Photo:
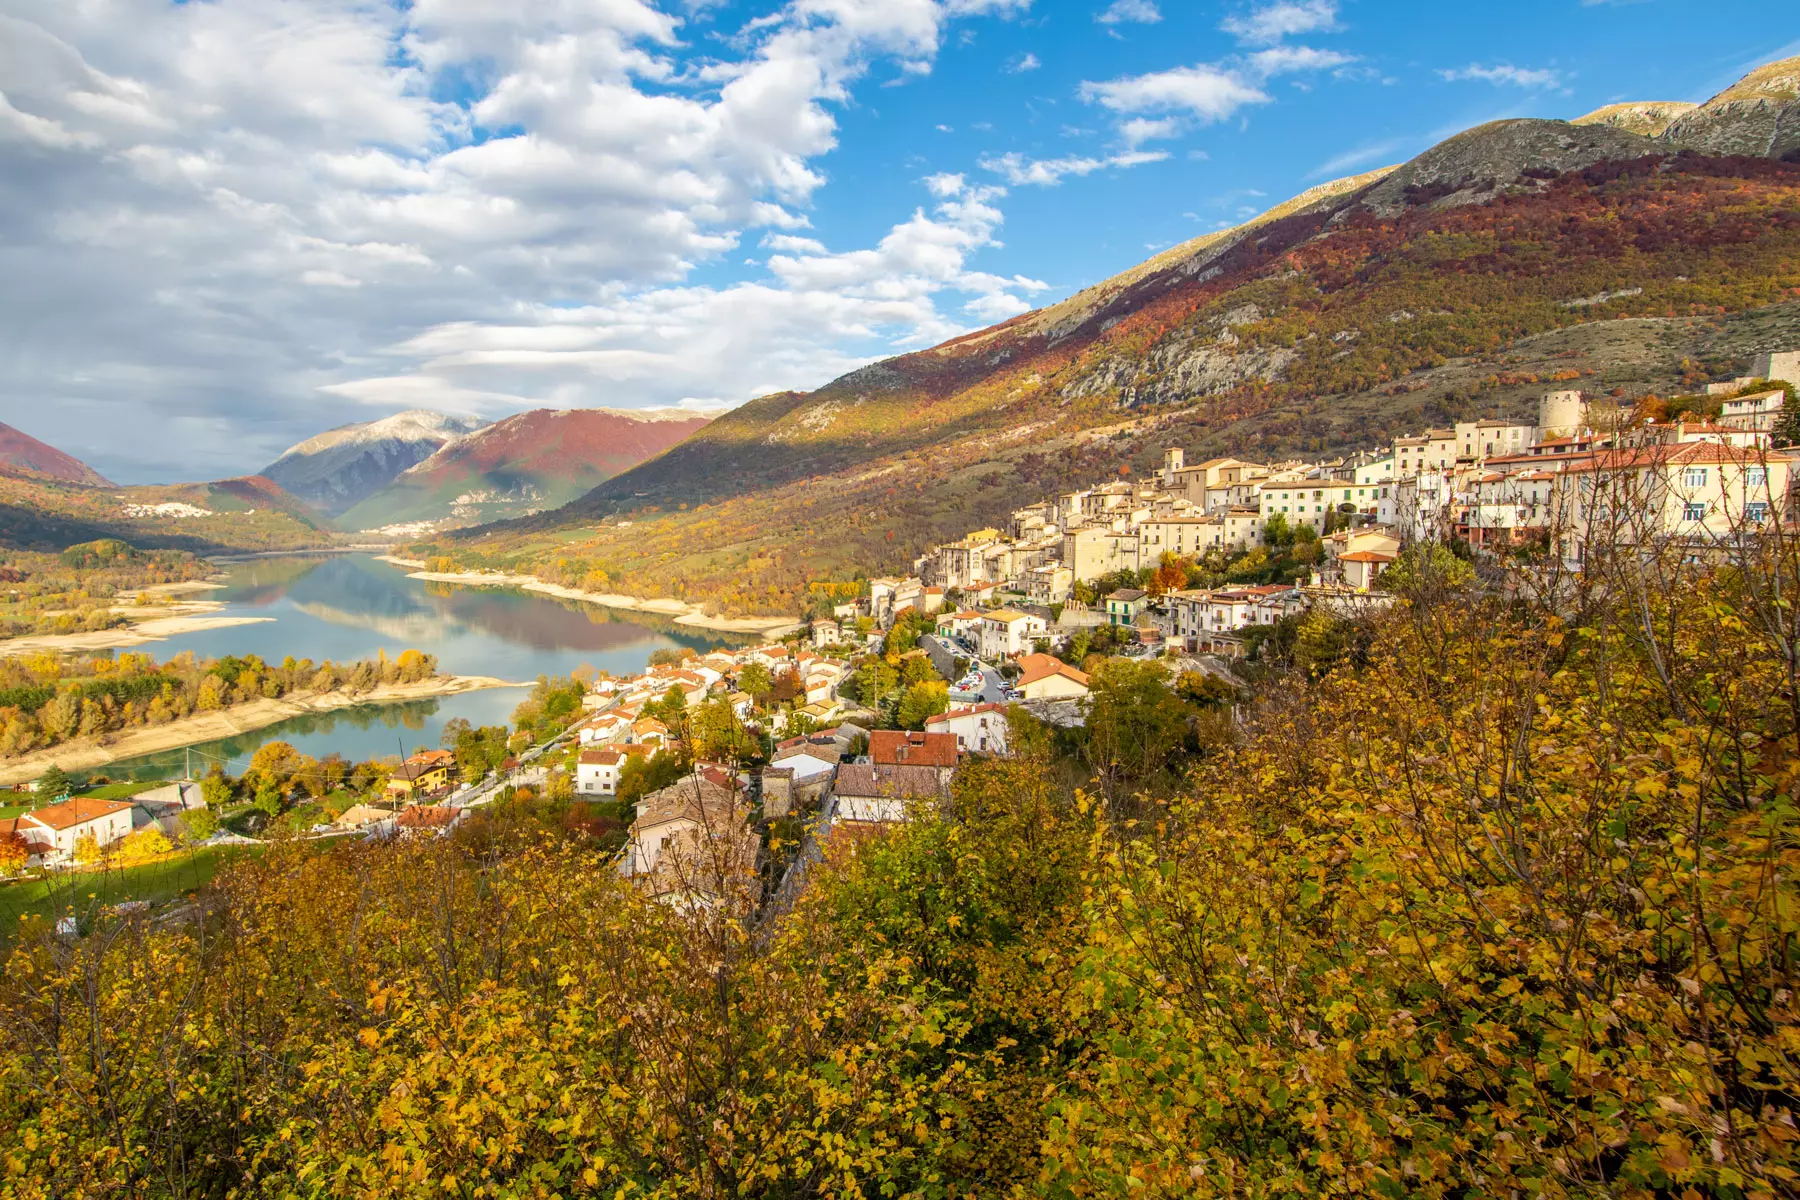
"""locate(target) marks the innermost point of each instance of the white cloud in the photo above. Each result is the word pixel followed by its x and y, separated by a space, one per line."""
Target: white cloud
pixel 253 219
pixel 1207 92
pixel 1025 62
pixel 1505 74
pixel 1139 130
pixel 1120 12
pixel 1272 22
pixel 1021 171
pixel 1284 60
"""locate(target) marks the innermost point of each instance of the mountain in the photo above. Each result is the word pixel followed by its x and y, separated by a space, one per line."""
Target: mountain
pixel 342 467
pixel 22 452
pixel 525 463
pixel 246 515
pixel 1510 258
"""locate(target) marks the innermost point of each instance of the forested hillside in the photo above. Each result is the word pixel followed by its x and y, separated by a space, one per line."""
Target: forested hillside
pixel 230 515
pixel 1483 898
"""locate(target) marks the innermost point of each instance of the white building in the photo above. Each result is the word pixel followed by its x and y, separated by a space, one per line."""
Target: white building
pixel 978 730
pixel 1005 633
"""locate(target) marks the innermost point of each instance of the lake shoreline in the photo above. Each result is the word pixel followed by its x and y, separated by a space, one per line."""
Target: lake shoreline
pixel 680 611
pixel 85 754
pixel 172 620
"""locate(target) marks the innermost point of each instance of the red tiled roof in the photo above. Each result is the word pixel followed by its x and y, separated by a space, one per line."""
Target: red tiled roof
pixel 78 811
pixel 426 817
pixel 899 747
pixel 971 711
pixel 1041 666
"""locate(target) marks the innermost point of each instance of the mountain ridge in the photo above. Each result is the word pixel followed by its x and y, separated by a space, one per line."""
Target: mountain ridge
pixel 19 451
pixel 337 469
pixel 534 460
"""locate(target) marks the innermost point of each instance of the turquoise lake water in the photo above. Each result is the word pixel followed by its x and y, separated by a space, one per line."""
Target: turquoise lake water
pixel 349 607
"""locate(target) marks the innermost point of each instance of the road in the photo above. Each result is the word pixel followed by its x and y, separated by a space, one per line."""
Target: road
pixel 943 651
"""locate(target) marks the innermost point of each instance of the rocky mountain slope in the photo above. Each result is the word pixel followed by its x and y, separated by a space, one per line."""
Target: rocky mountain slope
pixel 22 452
pixel 1509 258
pixel 523 464
pixel 338 469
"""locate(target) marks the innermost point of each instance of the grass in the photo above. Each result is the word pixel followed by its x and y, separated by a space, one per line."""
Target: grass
pixel 123 790
pixel 57 893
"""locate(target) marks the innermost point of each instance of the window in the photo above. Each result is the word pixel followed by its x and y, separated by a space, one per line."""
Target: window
pixel 1694 477
pixel 1756 512
pixel 1695 512
pixel 1756 477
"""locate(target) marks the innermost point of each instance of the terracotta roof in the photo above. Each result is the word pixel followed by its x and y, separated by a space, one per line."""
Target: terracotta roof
pixel 899 747
pixel 1041 666
pixel 427 817
pixel 974 710
pixel 434 758
pixel 1005 616
pixel 606 758
pixel 1686 454
pixel 870 779
pixel 695 798
pixel 412 771
pixel 78 811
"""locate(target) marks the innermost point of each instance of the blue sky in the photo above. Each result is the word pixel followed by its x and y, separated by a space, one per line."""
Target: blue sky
pixel 229 224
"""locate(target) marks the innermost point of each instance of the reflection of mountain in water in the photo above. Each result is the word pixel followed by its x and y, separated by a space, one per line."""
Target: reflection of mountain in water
pixel 413 629
pixel 531 620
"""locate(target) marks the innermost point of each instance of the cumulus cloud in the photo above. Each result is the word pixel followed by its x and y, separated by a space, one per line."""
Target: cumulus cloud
pixel 1273 22
pixel 228 225
pixel 1506 75
pixel 1206 92
pixel 1025 62
pixel 1134 12
pixel 1021 171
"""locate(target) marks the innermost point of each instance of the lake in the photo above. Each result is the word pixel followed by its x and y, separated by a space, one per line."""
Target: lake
pixel 350 607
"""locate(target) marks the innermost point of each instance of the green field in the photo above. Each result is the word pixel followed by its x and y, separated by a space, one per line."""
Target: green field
pixel 83 891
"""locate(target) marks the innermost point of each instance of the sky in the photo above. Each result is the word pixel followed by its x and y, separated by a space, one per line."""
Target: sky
pixel 226 225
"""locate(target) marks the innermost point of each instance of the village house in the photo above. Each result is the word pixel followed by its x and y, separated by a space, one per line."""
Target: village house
pixel 1124 605
pixel 980 729
pixel 597 772
pixel 55 830
pixel 164 806
pixel 1005 633
pixel 692 846
pixel 1699 494
pixel 421 775
pixel 1044 677
pixel 905 748
pixel 422 820
pixel 867 793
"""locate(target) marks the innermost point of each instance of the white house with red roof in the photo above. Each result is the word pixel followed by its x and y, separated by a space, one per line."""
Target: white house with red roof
pixel 977 730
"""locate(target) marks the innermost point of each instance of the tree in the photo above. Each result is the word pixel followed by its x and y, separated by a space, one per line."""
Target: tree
pixel 754 679
pixel 216 789
pixel 1426 571
pixel 922 701
pixel 1135 723
pixel 53 784
pixel 15 852
pixel 142 845
pixel 640 776
pixel 87 849
pixel 198 824
pixel 1205 690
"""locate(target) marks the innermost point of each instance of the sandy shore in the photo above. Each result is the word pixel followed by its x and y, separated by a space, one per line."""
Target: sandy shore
pixel 681 612
pixel 242 718
pixel 170 620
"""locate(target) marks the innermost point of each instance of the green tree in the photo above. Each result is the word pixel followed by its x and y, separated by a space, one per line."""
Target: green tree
pixel 198 824
pixel 640 775
pixel 1427 571
pixel 216 789
pixel 922 701
pixel 53 783
pixel 1135 723
pixel 755 680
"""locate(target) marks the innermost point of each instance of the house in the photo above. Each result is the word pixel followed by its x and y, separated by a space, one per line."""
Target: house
pixel 904 748
pixel 825 632
pixel 1363 567
pixel 597 772
pixel 1758 411
pixel 807 772
pixel 1124 605
pixel 164 807
pixel 692 846
pixel 977 730
pixel 649 732
pixel 418 777
pixel 54 830
pixel 607 729
pixel 1697 494
pixel 1048 678
pixel 870 794
pixel 359 816
pixel 1005 632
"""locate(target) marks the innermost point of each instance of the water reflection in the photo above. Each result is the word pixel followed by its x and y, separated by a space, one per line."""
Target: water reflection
pixel 352 607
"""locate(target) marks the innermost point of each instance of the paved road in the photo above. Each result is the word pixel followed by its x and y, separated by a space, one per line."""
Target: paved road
pixel 943 650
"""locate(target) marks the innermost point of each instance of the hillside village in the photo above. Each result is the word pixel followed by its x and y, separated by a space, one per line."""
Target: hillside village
pixel 1012 617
